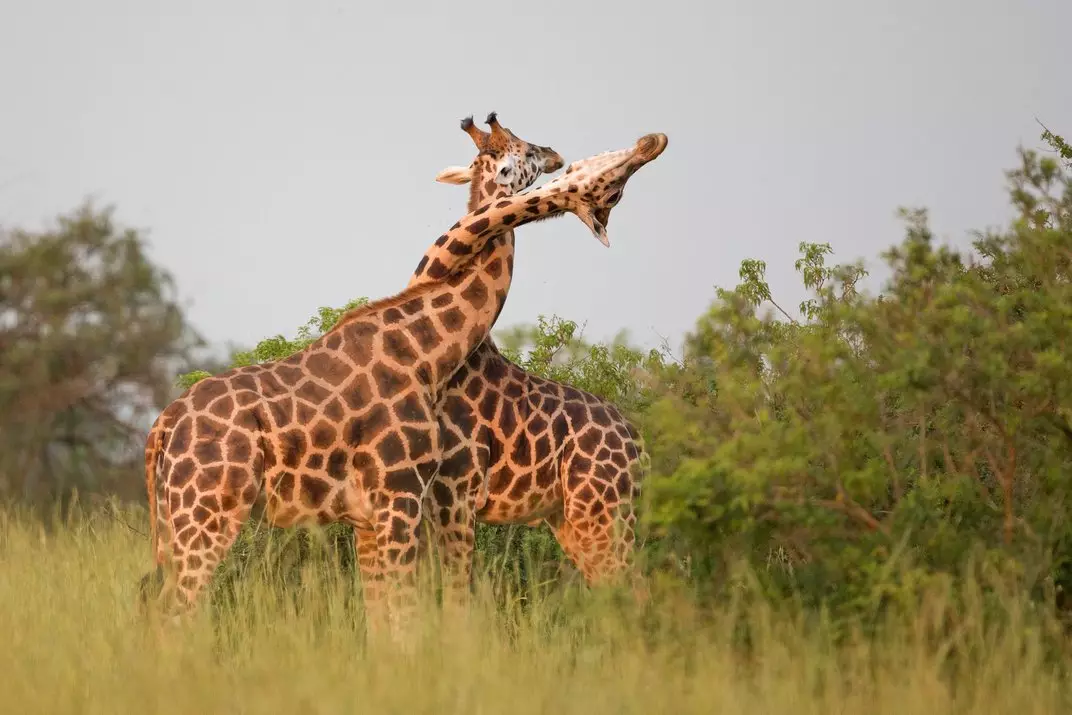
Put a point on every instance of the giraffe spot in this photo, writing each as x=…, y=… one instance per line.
x=501, y=479
x=534, y=210
x=619, y=460
x=613, y=440
x=391, y=449
x=313, y=491
x=424, y=332
x=182, y=521
x=206, y=391
x=245, y=398
x=357, y=341
x=284, y=486
x=522, y=452
x=488, y=406
x=559, y=428
x=398, y=347
x=333, y=410
x=403, y=481
x=182, y=473
x=473, y=389
x=247, y=419
x=442, y=300
x=588, y=441
x=293, y=446
x=282, y=411
x=437, y=271
x=537, y=424
x=289, y=375
x=452, y=320
x=400, y=533
x=494, y=370
x=193, y=562
x=521, y=486
x=323, y=435
x=239, y=448
x=456, y=465
x=366, y=466
x=543, y=448
x=269, y=385
x=444, y=516
x=389, y=382
x=210, y=502
x=208, y=428
x=312, y=392
x=175, y=501
x=228, y=502
x=392, y=315
x=269, y=461
x=410, y=409
x=482, y=210
x=337, y=464
x=599, y=416
x=222, y=407
x=579, y=467
x=201, y=515
x=441, y=240
x=450, y=360
x=508, y=219
x=421, y=266
x=460, y=414
x=333, y=341
x=305, y=412
x=585, y=493
x=577, y=413
x=603, y=454
x=328, y=368
x=181, y=437
x=476, y=293
x=512, y=390
x=510, y=264
x=490, y=186
x=508, y=421
x=441, y=495
x=406, y=505
x=358, y=394
x=244, y=382
x=413, y=306
x=315, y=461
x=365, y=428
x=458, y=248
x=208, y=451
x=420, y=442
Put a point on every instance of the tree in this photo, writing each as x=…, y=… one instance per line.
x=860, y=453
x=90, y=334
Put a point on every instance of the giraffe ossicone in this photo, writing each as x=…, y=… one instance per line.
x=345, y=429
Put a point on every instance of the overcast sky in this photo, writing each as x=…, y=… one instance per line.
x=282, y=154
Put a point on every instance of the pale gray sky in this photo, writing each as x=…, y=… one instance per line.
x=282, y=154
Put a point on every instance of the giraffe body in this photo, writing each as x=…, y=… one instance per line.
x=346, y=430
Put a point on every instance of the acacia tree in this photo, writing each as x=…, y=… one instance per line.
x=90, y=334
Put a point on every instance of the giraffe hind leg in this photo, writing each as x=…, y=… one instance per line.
x=201, y=526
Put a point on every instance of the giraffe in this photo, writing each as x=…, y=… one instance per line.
x=345, y=430
x=519, y=448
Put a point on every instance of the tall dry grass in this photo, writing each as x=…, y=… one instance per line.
x=71, y=641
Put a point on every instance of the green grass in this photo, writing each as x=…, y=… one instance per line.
x=72, y=641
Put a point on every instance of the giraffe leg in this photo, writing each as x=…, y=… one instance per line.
x=201, y=527
x=598, y=534
x=452, y=523
x=368, y=563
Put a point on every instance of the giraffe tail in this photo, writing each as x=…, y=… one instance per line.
x=153, y=444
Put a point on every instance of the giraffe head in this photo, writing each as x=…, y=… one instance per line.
x=505, y=164
x=593, y=186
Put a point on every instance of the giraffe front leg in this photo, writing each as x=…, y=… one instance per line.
x=368, y=564
x=452, y=521
x=397, y=524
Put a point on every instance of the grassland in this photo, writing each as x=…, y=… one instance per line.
x=73, y=642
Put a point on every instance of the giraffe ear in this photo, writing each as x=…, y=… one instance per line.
x=455, y=175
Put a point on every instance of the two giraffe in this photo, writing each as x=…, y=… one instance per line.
x=347, y=429
x=518, y=448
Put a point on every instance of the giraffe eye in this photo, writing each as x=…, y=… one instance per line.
x=613, y=198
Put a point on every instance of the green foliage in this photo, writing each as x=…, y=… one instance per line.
x=871, y=450
x=90, y=333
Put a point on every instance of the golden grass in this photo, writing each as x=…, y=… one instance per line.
x=71, y=641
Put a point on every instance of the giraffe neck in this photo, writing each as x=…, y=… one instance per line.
x=483, y=190
x=452, y=310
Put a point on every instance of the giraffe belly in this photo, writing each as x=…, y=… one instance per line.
x=521, y=498
x=312, y=497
